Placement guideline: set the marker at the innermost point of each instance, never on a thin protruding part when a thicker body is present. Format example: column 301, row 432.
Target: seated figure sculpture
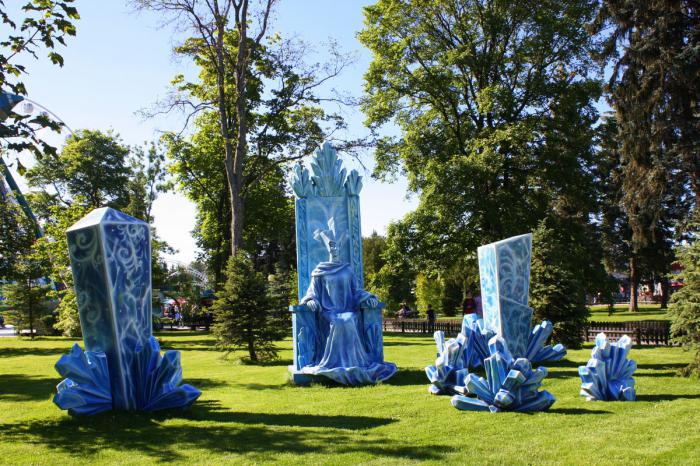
column 337, row 327
column 334, row 295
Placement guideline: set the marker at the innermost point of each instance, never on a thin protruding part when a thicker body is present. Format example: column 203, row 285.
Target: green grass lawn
column 250, row 414
column 599, row 313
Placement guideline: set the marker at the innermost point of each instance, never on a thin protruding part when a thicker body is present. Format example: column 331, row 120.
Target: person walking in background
column 479, row 310
column 468, row 305
column 431, row 318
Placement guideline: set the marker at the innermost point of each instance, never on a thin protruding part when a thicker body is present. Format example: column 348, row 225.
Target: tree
column 655, row 88
column 244, row 314
column 557, row 292
column 396, row 280
column 21, row 266
column 684, row 310
column 259, row 126
column 16, row 235
column 27, row 301
column 46, row 24
column 494, row 106
column 373, row 248
column 93, row 165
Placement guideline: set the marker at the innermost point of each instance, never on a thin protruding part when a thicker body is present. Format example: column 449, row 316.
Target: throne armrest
column 304, row 332
column 299, row 308
column 372, row 331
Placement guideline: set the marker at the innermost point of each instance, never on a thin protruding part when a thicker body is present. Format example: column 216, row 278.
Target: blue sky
column 122, row 61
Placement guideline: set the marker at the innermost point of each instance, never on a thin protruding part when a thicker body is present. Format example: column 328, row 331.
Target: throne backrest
column 323, row 192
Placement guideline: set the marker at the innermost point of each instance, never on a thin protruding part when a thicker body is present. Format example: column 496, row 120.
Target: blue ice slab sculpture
column 449, row 370
column 337, row 328
column 510, row 385
column 504, row 271
column 608, row 374
column 121, row 367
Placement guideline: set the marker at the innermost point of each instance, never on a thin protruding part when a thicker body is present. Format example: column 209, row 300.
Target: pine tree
column 244, row 314
column 654, row 49
column 685, row 305
column 27, row 300
column 556, row 290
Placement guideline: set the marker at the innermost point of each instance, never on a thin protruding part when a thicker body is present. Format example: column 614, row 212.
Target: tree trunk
column 634, row 284
column 251, row 348
column 31, row 310
column 664, row 293
column 242, row 58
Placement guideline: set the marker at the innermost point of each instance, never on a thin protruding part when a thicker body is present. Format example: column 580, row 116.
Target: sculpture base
column 158, row 381
column 377, row 372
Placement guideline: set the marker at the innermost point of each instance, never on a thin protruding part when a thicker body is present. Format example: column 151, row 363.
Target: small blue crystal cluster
column 121, row 367
column 608, row 374
column 450, row 369
column 511, row 384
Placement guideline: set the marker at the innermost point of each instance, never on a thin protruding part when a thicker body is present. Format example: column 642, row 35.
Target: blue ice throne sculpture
column 337, row 327
column 121, row 367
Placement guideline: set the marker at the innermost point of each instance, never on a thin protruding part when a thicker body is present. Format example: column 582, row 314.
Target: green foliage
column 68, row 321
column 494, row 103
column 684, row 310
column 394, row 283
column 45, row 25
column 373, row 248
column 92, row 165
column 429, row 290
column 557, row 290
column 17, row 235
column 281, row 292
column 653, row 48
column 27, row 302
column 246, row 319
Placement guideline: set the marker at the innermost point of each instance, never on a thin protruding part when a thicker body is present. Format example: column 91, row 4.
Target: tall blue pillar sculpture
column 504, row 270
column 110, row 256
column 337, row 327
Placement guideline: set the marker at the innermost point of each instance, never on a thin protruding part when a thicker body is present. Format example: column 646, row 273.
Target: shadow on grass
column 212, row 411
column 667, row 397
column 576, row 411
column 210, row 428
column 20, row 387
column 33, row 351
column 409, row 376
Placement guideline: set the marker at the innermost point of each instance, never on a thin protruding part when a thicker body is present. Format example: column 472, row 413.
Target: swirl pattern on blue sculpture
column 510, row 384
column 608, row 374
column 504, row 268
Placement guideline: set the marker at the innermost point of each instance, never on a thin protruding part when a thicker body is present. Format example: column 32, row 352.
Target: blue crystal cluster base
column 87, row 390
column 510, row 384
column 608, row 374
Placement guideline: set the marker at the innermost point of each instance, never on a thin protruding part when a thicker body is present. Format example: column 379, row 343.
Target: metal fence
column 646, row 332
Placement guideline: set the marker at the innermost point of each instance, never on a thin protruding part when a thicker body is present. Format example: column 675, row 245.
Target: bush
column 246, row 318
column 685, row 305
column 556, row 290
